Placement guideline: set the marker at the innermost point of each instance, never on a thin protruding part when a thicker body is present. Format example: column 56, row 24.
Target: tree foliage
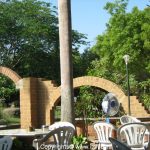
column 8, row 92
column 88, row 102
column 126, row 33
column 29, row 41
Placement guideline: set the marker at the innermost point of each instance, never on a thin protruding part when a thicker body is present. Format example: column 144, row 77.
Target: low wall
column 89, row 130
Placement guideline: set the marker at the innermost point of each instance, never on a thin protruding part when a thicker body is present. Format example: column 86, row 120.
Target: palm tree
column 67, row 108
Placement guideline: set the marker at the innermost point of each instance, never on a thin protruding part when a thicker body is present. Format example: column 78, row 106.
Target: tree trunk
column 67, row 108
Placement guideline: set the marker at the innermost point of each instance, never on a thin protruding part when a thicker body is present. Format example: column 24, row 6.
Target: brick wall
column 38, row 98
column 10, row 73
column 28, row 103
column 34, row 102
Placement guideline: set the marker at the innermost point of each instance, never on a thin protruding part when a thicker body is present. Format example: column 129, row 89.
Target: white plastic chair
column 60, row 124
column 130, row 119
column 133, row 134
column 104, row 130
column 5, row 143
column 59, row 137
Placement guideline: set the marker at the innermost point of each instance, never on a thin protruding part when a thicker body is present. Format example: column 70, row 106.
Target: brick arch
column 10, row 74
column 101, row 83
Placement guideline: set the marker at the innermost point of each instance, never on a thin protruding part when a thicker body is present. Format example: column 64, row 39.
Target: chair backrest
column 57, row 138
column 5, row 143
column 117, row 145
column 104, row 130
column 133, row 133
column 128, row 119
column 60, row 124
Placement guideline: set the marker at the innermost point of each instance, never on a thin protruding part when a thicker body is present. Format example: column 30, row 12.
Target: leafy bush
column 7, row 118
column 144, row 90
column 7, row 89
column 79, row 141
column 146, row 101
column 12, row 111
column 88, row 104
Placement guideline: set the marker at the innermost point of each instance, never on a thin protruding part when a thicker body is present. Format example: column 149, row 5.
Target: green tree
column 7, row 89
column 28, row 33
column 88, row 103
column 29, row 38
column 126, row 33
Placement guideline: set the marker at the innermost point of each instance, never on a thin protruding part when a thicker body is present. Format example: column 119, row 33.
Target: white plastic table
column 23, row 132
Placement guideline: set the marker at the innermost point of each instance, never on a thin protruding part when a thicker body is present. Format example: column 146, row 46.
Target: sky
column 89, row 17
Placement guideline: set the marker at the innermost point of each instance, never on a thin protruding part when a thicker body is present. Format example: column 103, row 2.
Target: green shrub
column 79, row 141
column 146, row 100
column 12, row 111
column 7, row 118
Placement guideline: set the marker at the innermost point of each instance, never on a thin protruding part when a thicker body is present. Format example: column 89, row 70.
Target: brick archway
column 83, row 81
column 11, row 74
column 38, row 98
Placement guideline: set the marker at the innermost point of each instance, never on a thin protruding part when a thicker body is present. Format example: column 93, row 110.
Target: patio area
column 27, row 136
